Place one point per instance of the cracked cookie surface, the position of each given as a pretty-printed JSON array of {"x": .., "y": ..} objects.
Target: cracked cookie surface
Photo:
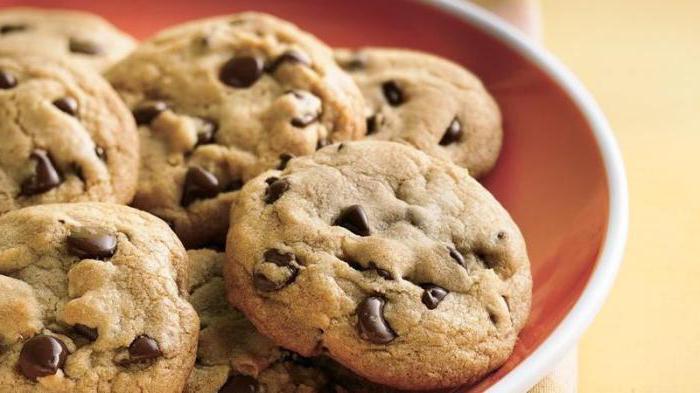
[
  {"x": 430, "y": 102},
  {"x": 231, "y": 353},
  {"x": 219, "y": 101},
  {"x": 92, "y": 299},
  {"x": 398, "y": 265},
  {"x": 79, "y": 37},
  {"x": 66, "y": 136}
]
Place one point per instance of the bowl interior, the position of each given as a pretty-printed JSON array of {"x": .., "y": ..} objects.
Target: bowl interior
[{"x": 550, "y": 175}]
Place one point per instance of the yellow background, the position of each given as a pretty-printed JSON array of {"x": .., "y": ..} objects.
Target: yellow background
[{"x": 641, "y": 60}]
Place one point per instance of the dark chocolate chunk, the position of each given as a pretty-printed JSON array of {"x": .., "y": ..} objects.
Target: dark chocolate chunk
[
  {"x": 241, "y": 72},
  {"x": 453, "y": 133},
  {"x": 392, "y": 93},
  {"x": 275, "y": 190},
  {"x": 42, "y": 355},
  {"x": 284, "y": 159},
  {"x": 371, "y": 323},
  {"x": 206, "y": 132},
  {"x": 292, "y": 57},
  {"x": 7, "y": 80},
  {"x": 199, "y": 184},
  {"x": 92, "y": 242},
  {"x": 456, "y": 256},
  {"x": 148, "y": 111},
  {"x": 143, "y": 348},
  {"x": 432, "y": 295},
  {"x": 354, "y": 219},
  {"x": 371, "y": 124},
  {"x": 67, "y": 104},
  {"x": 45, "y": 176},
  {"x": 85, "y": 331}
]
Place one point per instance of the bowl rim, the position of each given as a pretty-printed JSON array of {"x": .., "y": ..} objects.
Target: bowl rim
[{"x": 540, "y": 362}]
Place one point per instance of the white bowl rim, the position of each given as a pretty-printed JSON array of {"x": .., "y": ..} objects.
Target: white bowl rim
[{"x": 567, "y": 333}]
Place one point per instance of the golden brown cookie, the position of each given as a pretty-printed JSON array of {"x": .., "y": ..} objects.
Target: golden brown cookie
[
  {"x": 400, "y": 266},
  {"x": 66, "y": 136},
  {"x": 219, "y": 101},
  {"x": 92, "y": 299}
]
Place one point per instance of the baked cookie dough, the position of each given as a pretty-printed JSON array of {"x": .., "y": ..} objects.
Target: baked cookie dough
[
  {"x": 398, "y": 265},
  {"x": 80, "y": 37},
  {"x": 92, "y": 299},
  {"x": 430, "y": 102},
  {"x": 220, "y": 100},
  {"x": 66, "y": 136}
]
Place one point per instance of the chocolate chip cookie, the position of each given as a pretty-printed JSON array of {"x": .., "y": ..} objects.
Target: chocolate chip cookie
[
  {"x": 232, "y": 355},
  {"x": 399, "y": 265},
  {"x": 430, "y": 102},
  {"x": 220, "y": 100},
  {"x": 81, "y": 37},
  {"x": 66, "y": 136},
  {"x": 92, "y": 298}
]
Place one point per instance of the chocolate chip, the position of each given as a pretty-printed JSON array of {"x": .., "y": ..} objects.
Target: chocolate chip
[
  {"x": 278, "y": 257},
  {"x": 304, "y": 120},
  {"x": 281, "y": 259},
  {"x": 10, "y": 28},
  {"x": 432, "y": 295},
  {"x": 45, "y": 177},
  {"x": 385, "y": 274},
  {"x": 41, "y": 356},
  {"x": 354, "y": 219},
  {"x": 453, "y": 133},
  {"x": 371, "y": 124},
  {"x": 241, "y": 71},
  {"x": 143, "y": 348},
  {"x": 146, "y": 112},
  {"x": 275, "y": 190},
  {"x": 100, "y": 153},
  {"x": 85, "y": 331},
  {"x": 356, "y": 63},
  {"x": 392, "y": 93},
  {"x": 292, "y": 57},
  {"x": 321, "y": 144},
  {"x": 67, "y": 104},
  {"x": 284, "y": 159},
  {"x": 92, "y": 242},
  {"x": 341, "y": 146},
  {"x": 271, "y": 180},
  {"x": 456, "y": 256},
  {"x": 501, "y": 235},
  {"x": 234, "y": 185},
  {"x": 371, "y": 323},
  {"x": 206, "y": 132},
  {"x": 84, "y": 47},
  {"x": 240, "y": 384},
  {"x": 7, "y": 80},
  {"x": 199, "y": 184}
]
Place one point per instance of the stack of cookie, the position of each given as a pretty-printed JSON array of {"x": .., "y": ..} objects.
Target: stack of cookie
[{"x": 338, "y": 240}]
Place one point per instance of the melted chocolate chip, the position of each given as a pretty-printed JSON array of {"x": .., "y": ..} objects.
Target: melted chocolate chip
[
  {"x": 148, "y": 111},
  {"x": 143, "y": 348},
  {"x": 453, "y": 133},
  {"x": 278, "y": 257},
  {"x": 457, "y": 256},
  {"x": 371, "y": 323},
  {"x": 7, "y": 80},
  {"x": 240, "y": 384},
  {"x": 371, "y": 124},
  {"x": 304, "y": 120},
  {"x": 392, "y": 93},
  {"x": 234, "y": 185},
  {"x": 275, "y": 190},
  {"x": 100, "y": 153},
  {"x": 385, "y": 274},
  {"x": 206, "y": 132},
  {"x": 67, "y": 104},
  {"x": 291, "y": 57},
  {"x": 12, "y": 28},
  {"x": 354, "y": 219},
  {"x": 41, "y": 356},
  {"x": 321, "y": 144},
  {"x": 45, "y": 177},
  {"x": 84, "y": 47},
  {"x": 284, "y": 159},
  {"x": 85, "y": 331},
  {"x": 92, "y": 242},
  {"x": 241, "y": 72},
  {"x": 433, "y": 295},
  {"x": 199, "y": 184}
]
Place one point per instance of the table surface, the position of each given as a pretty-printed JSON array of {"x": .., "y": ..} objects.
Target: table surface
[{"x": 641, "y": 60}]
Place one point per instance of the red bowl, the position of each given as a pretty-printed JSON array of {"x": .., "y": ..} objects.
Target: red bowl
[{"x": 560, "y": 173}]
